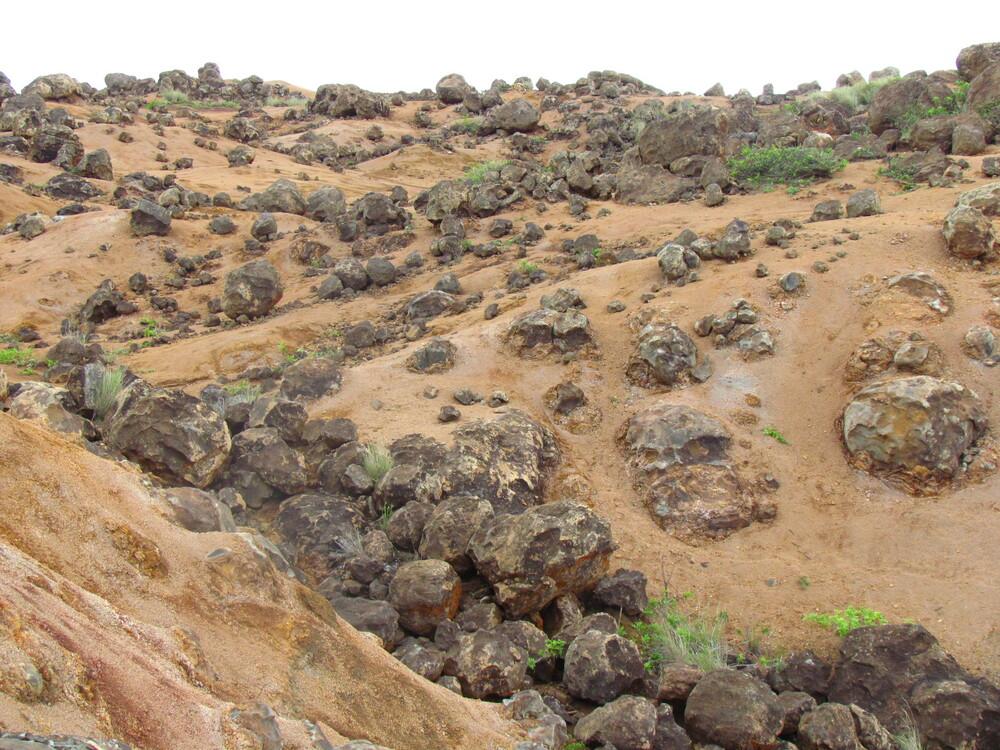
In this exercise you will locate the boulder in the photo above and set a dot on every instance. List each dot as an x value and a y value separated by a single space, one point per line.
97 165
428 305
149 218
425 593
54 87
974 59
517 115
251 290
625 590
901 674
733 709
369 616
318 524
168 433
696 131
681 456
530 559
487 664
632 723
984 91
310 378
893 101
864 203
281 197
437 355
45 403
504 461
325 204
540 332
71 187
833 726
668 351
599 667
913 422
263 466
452 88
969 233
448 529
347 100
985 198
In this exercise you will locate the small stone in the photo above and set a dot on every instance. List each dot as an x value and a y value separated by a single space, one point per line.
820 267
449 413
761 271
616 306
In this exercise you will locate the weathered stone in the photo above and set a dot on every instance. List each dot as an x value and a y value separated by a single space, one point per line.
425 593
914 422
148 218
486 664
557 548
599 667
734 710
251 290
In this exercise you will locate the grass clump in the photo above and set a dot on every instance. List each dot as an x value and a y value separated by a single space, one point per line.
665 635
102 394
843 621
772 432
478 172
292 101
763 168
376 460
856 95
904 176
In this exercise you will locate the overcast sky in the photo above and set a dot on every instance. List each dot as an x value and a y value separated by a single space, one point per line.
388 46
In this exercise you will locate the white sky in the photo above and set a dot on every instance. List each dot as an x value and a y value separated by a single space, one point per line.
389 46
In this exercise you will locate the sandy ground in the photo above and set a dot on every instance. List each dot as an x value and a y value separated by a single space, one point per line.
840 538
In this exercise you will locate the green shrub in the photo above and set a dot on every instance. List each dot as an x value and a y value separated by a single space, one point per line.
376 460
101 396
905 177
17 357
763 168
478 172
845 620
772 432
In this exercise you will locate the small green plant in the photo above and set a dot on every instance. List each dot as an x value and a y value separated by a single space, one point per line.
575 745
384 516
843 621
908 738
104 391
6 338
765 167
772 432
18 358
556 647
527 267
804 582
174 97
376 460
478 172
467 124
292 355
904 176
602 258
151 327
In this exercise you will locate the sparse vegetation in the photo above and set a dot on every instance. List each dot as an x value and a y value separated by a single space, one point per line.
104 391
772 432
905 177
763 168
856 95
478 172
665 634
843 621
527 267
377 460
948 105
292 101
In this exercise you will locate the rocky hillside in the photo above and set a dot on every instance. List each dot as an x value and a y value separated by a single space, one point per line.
339 416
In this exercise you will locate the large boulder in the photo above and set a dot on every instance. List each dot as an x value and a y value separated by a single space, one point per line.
832 726
318 524
54 87
599 667
347 100
517 115
553 549
452 88
97 165
251 290
425 593
632 723
969 233
651 184
542 332
682 457
733 709
168 433
985 198
896 99
149 218
449 528
901 674
487 664
699 131
325 204
975 59
71 187
504 461
311 377
914 422
984 91
282 196
263 466
668 352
